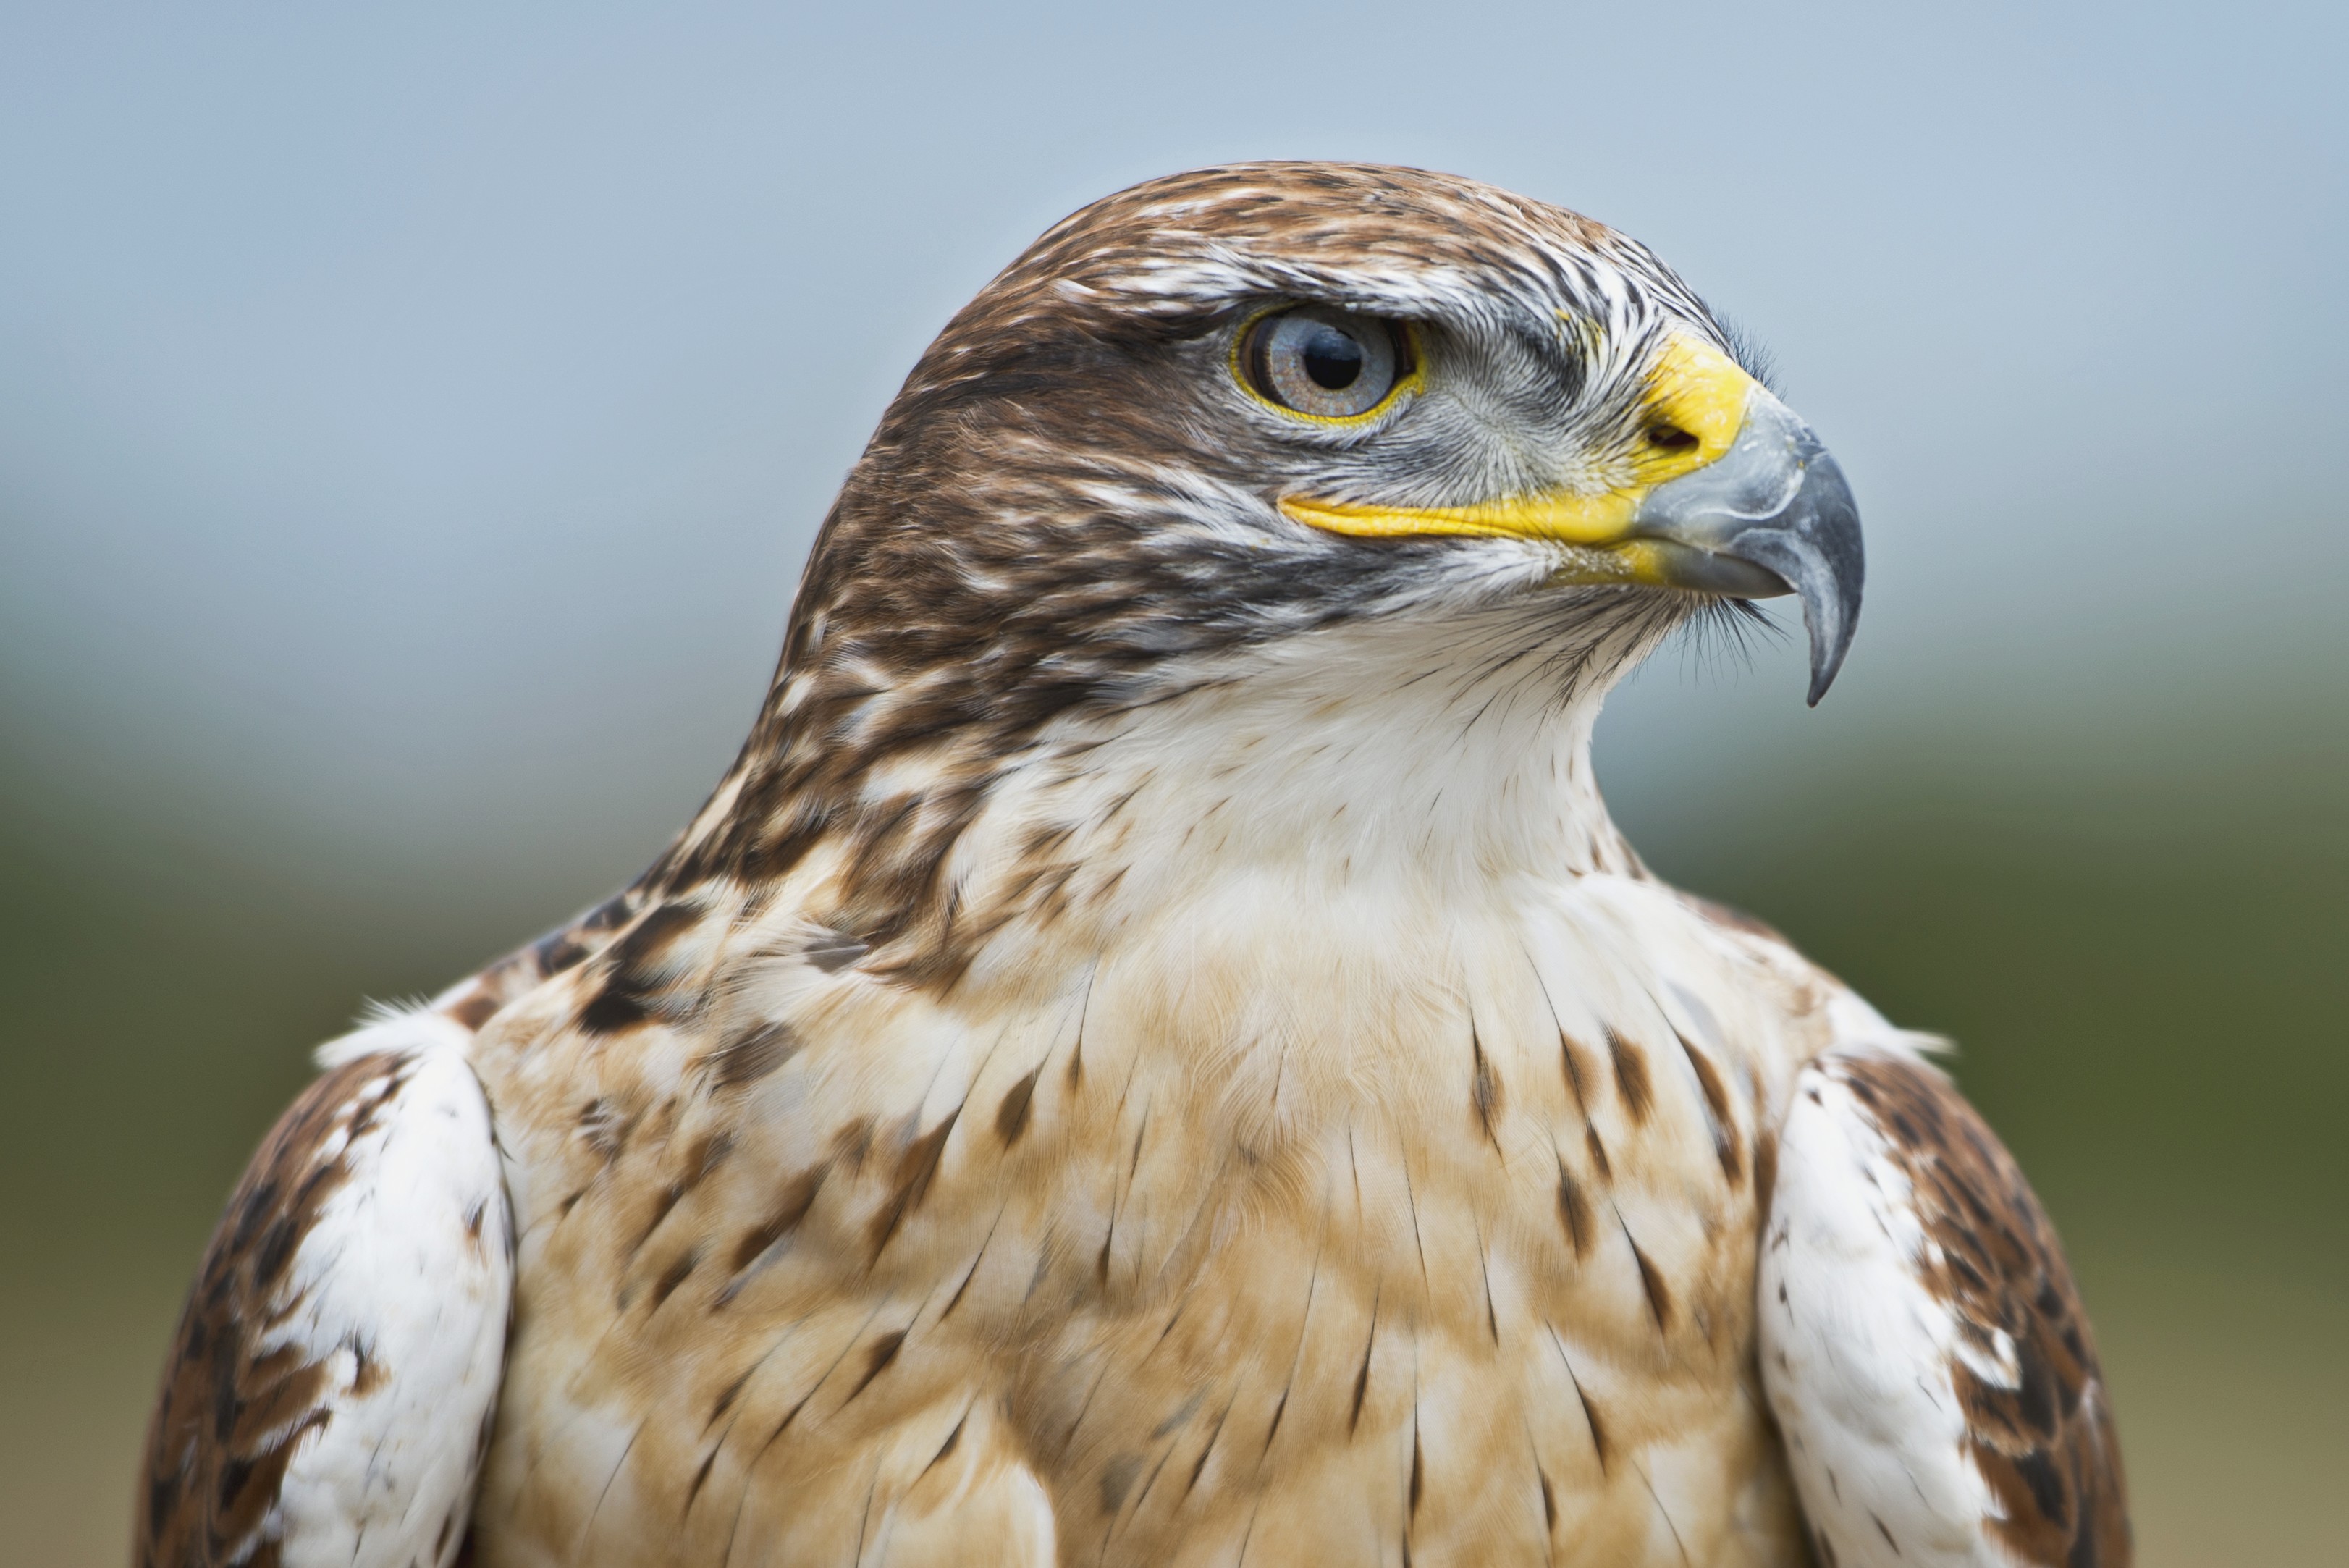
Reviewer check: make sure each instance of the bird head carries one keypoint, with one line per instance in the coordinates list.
(1220, 426)
(1245, 402)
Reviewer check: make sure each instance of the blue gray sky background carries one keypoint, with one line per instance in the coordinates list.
(412, 419)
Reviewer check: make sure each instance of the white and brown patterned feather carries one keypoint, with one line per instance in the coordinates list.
(1923, 1340)
(328, 1395)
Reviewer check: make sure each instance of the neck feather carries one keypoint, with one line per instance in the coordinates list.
(1436, 750)
(1440, 757)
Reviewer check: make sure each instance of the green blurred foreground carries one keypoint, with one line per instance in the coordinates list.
(2136, 941)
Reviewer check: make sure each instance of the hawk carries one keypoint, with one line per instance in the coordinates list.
(1155, 1053)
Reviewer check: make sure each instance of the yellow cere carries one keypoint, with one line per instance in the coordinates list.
(1695, 389)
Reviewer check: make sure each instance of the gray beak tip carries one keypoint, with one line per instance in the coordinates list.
(1835, 570)
(1813, 545)
(1826, 662)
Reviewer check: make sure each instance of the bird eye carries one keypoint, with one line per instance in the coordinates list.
(1323, 362)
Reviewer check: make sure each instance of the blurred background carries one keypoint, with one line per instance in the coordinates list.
(412, 419)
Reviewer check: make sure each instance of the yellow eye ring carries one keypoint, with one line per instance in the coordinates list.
(1325, 366)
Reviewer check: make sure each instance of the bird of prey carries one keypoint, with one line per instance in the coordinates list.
(1155, 1053)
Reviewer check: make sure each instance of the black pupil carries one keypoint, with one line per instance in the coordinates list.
(1333, 359)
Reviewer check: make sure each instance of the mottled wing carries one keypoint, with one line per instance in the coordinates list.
(1923, 1347)
(330, 1389)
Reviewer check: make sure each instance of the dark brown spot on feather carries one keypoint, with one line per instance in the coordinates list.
(476, 1009)
(798, 1196)
(752, 1052)
(1362, 1376)
(612, 913)
(1012, 1115)
(369, 1373)
(1723, 1119)
(1484, 1088)
(915, 1167)
(1599, 1442)
(1577, 1073)
(1598, 1152)
(636, 967)
(1573, 1211)
(1279, 1408)
(832, 951)
(1117, 1480)
(672, 1277)
(727, 1396)
(606, 1127)
(614, 1010)
(877, 1359)
(707, 1155)
(1652, 1285)
(954, 1439)
(662, 1206)
(1630, 1075)
(646, 947)
(1199, 1467)
(701, 1478)
(852, 1144)
(968, 1275)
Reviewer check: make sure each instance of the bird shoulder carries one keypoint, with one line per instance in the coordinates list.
(1922, 1342)
(329, 1390)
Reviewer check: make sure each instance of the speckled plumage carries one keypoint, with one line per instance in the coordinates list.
(1155, 1053)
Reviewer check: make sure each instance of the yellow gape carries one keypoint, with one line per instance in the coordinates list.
(1695, 404)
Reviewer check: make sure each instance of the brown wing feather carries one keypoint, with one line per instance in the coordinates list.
(2046, 1444)
(230, 1415)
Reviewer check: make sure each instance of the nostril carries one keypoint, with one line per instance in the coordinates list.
(1670, 438)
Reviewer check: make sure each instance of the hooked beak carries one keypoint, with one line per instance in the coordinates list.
(1742, 501)
(1776, 505)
